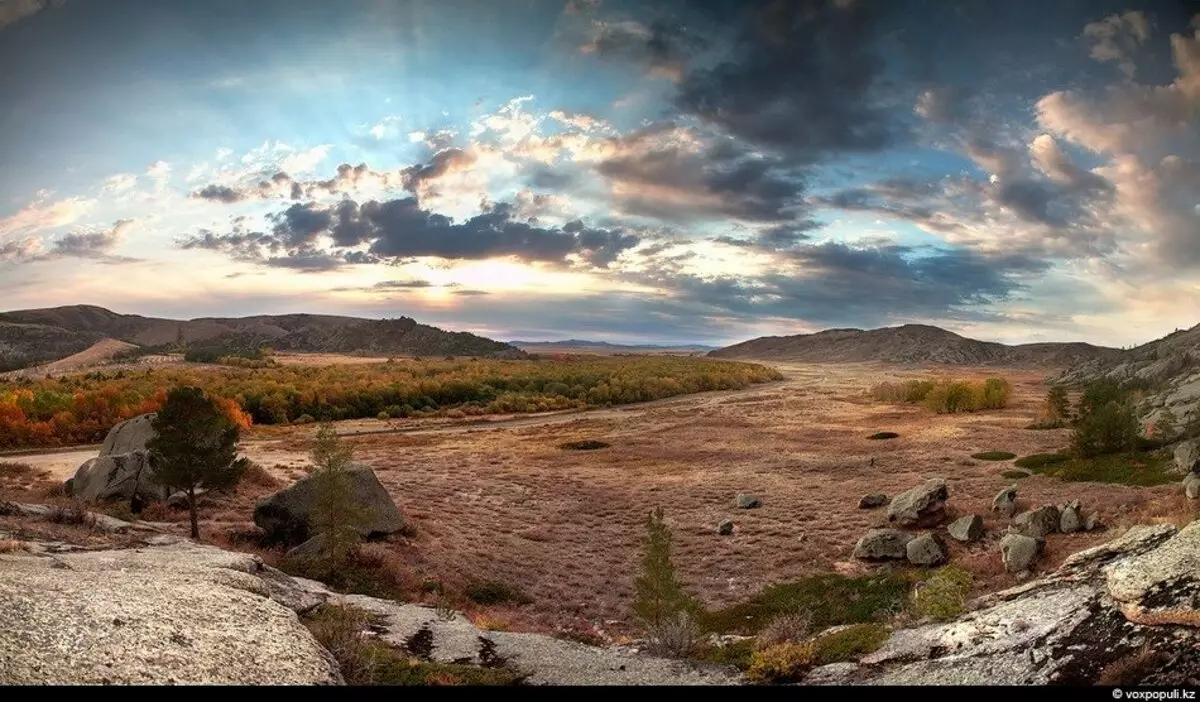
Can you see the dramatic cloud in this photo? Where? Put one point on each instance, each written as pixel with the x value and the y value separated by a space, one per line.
pixel 417 178
pixel 1117 37
pixel 662 47
pixel 94 244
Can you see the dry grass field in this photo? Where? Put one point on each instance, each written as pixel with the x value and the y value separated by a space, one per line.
pixel 503 501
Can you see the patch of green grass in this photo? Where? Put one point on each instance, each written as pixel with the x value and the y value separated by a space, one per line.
pixel 883 435
pixel 737 654
pixel 392 667
pixel 831 598
pixel 496 592
pixel 1137 469
pixel 360 574
pixel 1015 474
pixel 1039 461
pixel 994 456
pixel 585 445
pixel 850 642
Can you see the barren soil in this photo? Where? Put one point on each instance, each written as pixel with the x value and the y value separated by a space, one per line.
pixel 502 500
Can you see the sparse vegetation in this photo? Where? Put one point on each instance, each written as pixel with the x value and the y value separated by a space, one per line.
pixel 993 456
pixel 883 435
pixel 1015 474
pixel 1131 668
pixel 194 444
pixel 584 445
pixel 791 627
pixel 830 598
pixel 782 663
pixel 496 592
pixel 1142 469
pixel 660 603
pixel 364 571
pixel 947 396
pixel 80 409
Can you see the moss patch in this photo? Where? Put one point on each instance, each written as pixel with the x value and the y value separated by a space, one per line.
pixel 1145 469
pixel 1015 474
pixel 1039 461
pixel 585 445
pixel 848 643
pixel 831 598
pixel 878 436
pixel 496 592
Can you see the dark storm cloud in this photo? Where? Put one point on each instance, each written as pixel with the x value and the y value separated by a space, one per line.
pixel 273 251
pixel 776 238
pixel 220 193
pixel 663 178
pixel 550 179
pixel 801 78
pixel 663 45
pixel 301 223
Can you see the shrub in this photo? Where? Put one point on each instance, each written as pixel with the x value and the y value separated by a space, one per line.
pixel 791 627
pixel 951 397
pixel 908 392
pixel 994 456
pixel 943 595
pixel 304 419
pixel 782 663
pixel 881 435
pixel 1058 407
pixel 994 394
pixel 340 630
pixel 496 592
pixel 845 643
pixel 1108 428
pixel 383 416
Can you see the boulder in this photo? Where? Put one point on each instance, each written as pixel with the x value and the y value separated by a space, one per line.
pixel 1037 523
pixel 179 500
pixel 926 550
pixel 1192 487
pixel 745 500
pixel 1070 519
pixel 1091 522
pixel 967 529
pixel 882 545
pixel 1019 552
pixel 725 528
pixel 1187 456
pixel 923 505
pixel 875 499
pixel 1006 501
pixel 284 515
pixel 122 470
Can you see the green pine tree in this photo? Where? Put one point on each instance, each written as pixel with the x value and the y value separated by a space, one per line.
pixel 194 444
pixel 659 597
pixel 336 516
pixel 1057 405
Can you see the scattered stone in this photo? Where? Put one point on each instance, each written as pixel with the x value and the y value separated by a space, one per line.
pixel 1006 501
pixel 1192 487
pixel 1019 552
pixel 1187 456
pixel 882 545
pixel 875 499
pixel 1070 519
pixel 725 528
pixel 1037 523
pixel 745 500
pixel 284 514
pixel 923 505
pixel 926 550
pixel 967 529
pixel 1091 522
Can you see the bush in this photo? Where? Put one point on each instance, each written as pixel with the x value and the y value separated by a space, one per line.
pixel 496 592
pixel 1105 429
pixel 782 663
pixel 951 397
pixel 792 627
pixel 908 392
pixel 994 456
pixel 943 595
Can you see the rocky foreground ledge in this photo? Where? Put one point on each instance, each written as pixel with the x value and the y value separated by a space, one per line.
pixel 173 611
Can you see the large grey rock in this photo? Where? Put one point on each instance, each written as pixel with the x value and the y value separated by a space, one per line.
pixel 873 500
pixel 123 468
pixel 967 529
pixel 1071 518
pixel 1037 523
pixel 926 550
pixel 1102 608
pixel 284 515
pixel 923 505
pixel 1006 501
pixel 745 500
pixel 1187 456
pixel 1019 552
pixel 883 544
pixel 160 615
pixel 1192 487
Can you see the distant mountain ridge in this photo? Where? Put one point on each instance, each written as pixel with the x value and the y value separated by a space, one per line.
pixel 911 344
pixel 30 337
pixel 584 343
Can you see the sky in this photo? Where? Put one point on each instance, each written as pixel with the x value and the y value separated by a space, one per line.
pixel 683 171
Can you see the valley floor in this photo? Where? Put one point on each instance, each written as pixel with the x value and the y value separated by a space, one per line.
pixel 503 501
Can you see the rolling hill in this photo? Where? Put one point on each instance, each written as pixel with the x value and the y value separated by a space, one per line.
pixel 32 337
pixel 604 348
pixel 910 344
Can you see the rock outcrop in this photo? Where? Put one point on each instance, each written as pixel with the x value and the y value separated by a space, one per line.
pixel 123 467
pixel 1101 609
pixel 923 505
pixel 176 614
pixel 284 515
